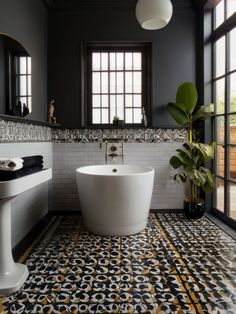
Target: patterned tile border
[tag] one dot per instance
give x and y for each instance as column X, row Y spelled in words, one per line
column 128, row 135
column 11, row 132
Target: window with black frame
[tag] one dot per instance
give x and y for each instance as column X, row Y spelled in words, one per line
column 224, row 97
column 20, row 84
column 118, row 85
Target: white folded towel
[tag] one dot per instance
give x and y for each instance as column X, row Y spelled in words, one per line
column 11, row 164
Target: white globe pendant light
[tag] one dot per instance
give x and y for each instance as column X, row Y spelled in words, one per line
column 154, row 14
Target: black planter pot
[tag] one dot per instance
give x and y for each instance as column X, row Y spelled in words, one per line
column 194, row 210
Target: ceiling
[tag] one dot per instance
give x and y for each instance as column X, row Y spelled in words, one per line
column 176, row 3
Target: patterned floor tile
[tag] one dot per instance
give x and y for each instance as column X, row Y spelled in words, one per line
column 174, row 266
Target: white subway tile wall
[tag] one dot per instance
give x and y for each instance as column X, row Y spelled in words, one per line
column 29, row 207
column 68, row 156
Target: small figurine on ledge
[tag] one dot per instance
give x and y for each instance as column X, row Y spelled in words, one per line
column 51, row 118
column 16, row 110
column 144, row 118
column 25, row 110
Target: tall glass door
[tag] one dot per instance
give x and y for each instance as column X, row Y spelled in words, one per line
column 224, row 97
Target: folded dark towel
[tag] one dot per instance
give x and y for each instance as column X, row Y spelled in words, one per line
column 10, row 175
column 32, row 161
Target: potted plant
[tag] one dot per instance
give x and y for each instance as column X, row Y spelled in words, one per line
column 192, row 156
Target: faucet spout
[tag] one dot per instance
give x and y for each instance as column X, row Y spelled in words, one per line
column 113, row 156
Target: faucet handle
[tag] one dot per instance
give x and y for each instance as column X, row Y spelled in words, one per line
column 113, row 148
column 113, row 155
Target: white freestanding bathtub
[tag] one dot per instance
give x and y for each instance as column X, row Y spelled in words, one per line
column 115, row 199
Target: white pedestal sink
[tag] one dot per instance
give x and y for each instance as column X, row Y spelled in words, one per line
column 13, row 275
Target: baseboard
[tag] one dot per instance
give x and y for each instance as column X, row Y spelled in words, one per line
column 78, row 212
column 167, row 210
column 64, row 212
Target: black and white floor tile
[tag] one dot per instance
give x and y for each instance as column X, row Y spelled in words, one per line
column 174, row 266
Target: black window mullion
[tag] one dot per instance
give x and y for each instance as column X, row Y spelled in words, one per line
column 100, row 87
column 125, row 94
column 17, row 78
column 124, row 87
column 108, row 82
column 227, row 125
column 218, row 78
column 226, row 205
column 115, row 83
column 26, row 78
column 132, row 88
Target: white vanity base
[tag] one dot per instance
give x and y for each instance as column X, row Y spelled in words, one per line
column 13, row 275
column 13, row 281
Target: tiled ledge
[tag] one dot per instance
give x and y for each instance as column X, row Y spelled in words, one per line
column 28, row 121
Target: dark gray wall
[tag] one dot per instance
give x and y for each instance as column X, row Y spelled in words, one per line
column 26, row 21
column 174, row 57
column 2, row 78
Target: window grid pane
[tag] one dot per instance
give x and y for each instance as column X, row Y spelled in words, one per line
column 220, row 160
column 232, row 163
column 116, row 86
column 232, row 36
column 220, row 13
column 231, row 7
column 220, row 96
column 233, row 92
column 220, row 57
column 219, row 194
column 22, row 84
column 232, row 131
column 220, row 130
column 232, row 204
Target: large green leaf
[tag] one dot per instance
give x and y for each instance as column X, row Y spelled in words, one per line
column 175, row 162
column 188, row 96
column 206, row 150
column 181, row 107
column 201, row 114
column 209, row 185
column 200, row 178
column 177, row 114
column 184, row 152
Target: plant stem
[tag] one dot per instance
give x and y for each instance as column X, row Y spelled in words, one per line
column 192, row 198
column 190, row 132
column 194, row 193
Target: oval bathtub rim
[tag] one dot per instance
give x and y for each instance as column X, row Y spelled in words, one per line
column 115, row 174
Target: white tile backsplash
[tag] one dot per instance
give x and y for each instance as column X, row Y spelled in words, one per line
column 29, row 207
column 68, row 156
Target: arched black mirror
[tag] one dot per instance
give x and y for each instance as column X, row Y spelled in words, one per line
column 15, row 78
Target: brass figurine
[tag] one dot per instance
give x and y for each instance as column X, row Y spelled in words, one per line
column 51, row 118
